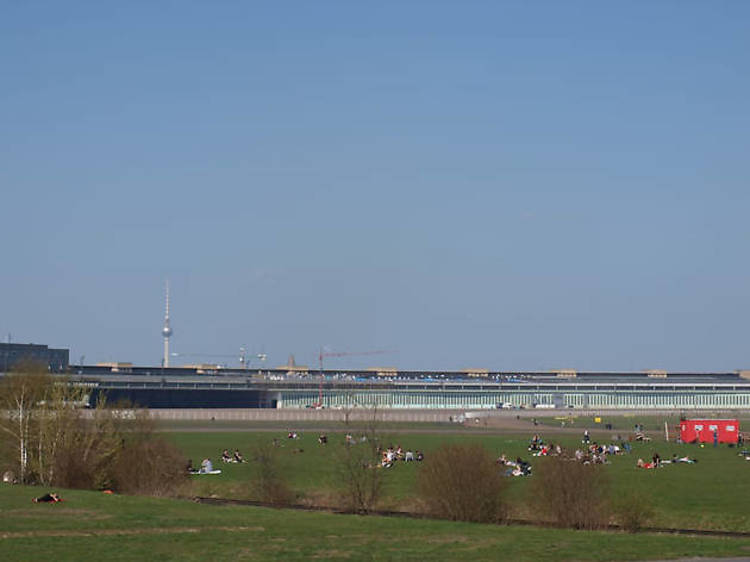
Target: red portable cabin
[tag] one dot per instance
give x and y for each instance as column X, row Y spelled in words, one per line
column 702, row 431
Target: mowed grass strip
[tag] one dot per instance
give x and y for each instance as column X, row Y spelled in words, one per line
column 91, row 525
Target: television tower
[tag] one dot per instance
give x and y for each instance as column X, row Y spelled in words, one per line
column 166, row 332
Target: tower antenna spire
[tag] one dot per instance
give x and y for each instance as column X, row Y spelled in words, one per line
column 166, row 331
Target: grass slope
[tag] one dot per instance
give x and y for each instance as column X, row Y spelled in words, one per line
column 92, row 525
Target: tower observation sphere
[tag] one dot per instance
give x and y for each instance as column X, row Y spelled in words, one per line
column 166, row 331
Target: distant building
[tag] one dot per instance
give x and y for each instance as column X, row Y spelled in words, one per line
column 117, row 366
column 292, row 368
column 12, row 354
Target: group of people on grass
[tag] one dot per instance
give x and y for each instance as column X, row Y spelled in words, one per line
column 349, row 439
column 591, row 453
column 518, row 467
column 207, row 467
column 596, row 453
column 658, row 462
column 539, row 448
column 393, row 454
column 226, row 456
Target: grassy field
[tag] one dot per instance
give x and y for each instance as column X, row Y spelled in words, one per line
column 711, row 494
column 91, row 525
column 625, row 422
column 708, row 495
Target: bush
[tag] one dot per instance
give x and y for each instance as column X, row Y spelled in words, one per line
column 359, row 477
column 358, row 473
column 633, row 511
column 269, row 484
column 48, row 439
column 149, row 466
column 571, row 494
column 462, row 483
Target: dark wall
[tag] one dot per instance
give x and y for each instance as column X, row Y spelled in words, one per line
column 11, row 354
column 163, row 398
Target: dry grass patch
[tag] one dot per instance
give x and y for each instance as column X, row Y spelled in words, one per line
column 326, row 554
column 55, row 511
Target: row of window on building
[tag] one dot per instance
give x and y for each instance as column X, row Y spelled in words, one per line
column 477, row 400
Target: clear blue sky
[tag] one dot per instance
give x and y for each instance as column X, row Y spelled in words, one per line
column 524, row 185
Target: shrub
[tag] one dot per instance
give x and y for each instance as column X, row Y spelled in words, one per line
column 149, row 466
column 462, row 483
column 48, row 439
column 359, row 477
column 358, row 474
column 633, row 511
column 571, row 494
column 269, row 484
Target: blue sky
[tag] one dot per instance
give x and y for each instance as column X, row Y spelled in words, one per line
column 502, row 185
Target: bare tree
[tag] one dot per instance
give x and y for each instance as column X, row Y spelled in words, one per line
column 269, row 482
column 54, row 440
column 20, row 394
column 359, row 474
column 58, row 421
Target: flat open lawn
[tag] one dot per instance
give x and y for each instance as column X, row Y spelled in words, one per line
column 712, row 494
column 91, row 525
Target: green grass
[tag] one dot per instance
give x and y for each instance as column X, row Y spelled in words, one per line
column 92, row 525
column 711, row 494
column 624, row 423
column 328, row 425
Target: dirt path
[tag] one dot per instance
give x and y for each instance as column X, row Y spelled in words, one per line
column 491, row 426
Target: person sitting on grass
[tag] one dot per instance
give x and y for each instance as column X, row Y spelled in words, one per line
column 225, row 456
column 238, row 456
column 206, row 466
column 51, row 497
column 387, row 459
column 323, row 439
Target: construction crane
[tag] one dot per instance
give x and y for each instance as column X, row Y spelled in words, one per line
column 323, row 354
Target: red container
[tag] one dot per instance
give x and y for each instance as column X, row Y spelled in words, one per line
column 702, row 431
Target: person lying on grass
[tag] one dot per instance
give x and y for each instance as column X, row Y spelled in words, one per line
column 685, row 459
column 51, row 497
column 519, row 467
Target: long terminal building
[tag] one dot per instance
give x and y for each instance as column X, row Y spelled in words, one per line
column 387, row 388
